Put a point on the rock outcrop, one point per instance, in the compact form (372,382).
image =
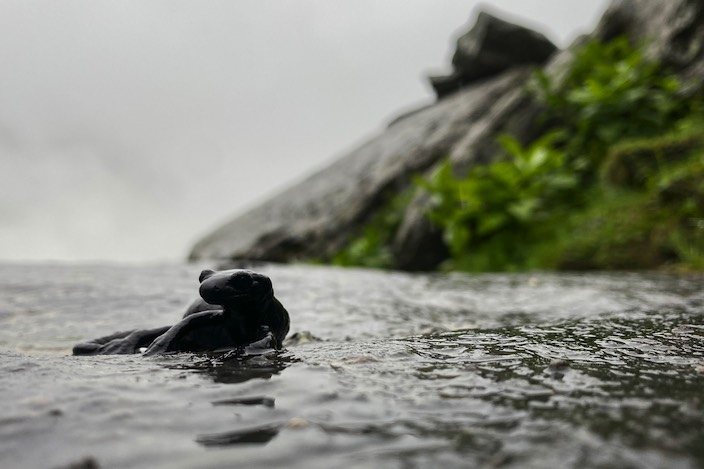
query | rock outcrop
(490,47)
(674,35)
(315,218)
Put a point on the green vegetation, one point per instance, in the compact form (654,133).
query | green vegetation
(490,216)
(372,247)
(617,183)
(609,94)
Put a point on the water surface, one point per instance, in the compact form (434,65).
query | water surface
(394,370)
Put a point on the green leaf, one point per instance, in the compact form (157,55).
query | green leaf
(510,145)
(523,209)
(491,222)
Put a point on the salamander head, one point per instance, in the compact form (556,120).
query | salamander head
(228,287)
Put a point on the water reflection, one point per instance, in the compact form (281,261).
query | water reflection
(255,400)
(234,367)
(257,435)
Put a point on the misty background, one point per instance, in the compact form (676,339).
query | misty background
(128,129)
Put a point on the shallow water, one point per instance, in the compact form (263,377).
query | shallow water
(396,370)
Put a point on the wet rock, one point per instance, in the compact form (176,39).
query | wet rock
(673,33)
(490,47)
(444,85)
(418,244)
(317,217)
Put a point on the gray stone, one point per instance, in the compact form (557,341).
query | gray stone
(672,31)
(418,244)
(317,217)
(444,85)
(490,47)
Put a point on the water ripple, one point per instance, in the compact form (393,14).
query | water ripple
(387,370)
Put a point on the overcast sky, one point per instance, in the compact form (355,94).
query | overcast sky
(130,128)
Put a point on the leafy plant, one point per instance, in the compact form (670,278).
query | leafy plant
(540,206)
(609,93)
(508,195)
(613,113)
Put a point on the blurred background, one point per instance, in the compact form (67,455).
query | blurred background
(128,129)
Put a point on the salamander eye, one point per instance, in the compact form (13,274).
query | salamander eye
(207,273)
(241,281)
